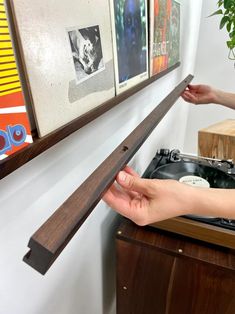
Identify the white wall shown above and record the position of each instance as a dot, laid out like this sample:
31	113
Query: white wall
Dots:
213	68
82	280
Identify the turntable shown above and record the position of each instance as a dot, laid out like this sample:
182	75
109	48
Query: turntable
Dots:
202	172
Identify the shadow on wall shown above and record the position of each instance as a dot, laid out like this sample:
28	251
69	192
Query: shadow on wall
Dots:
109	228
191	13
87	274
66	161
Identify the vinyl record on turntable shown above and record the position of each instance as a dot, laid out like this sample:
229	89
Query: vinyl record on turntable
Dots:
195	174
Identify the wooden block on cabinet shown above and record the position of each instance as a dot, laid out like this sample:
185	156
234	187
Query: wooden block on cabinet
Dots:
218	140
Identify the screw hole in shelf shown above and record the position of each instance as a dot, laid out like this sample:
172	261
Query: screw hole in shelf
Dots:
125	148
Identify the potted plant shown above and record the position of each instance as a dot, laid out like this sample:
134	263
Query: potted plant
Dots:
226	8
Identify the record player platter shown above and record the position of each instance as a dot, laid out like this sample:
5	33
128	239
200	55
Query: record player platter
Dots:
194	174
196	171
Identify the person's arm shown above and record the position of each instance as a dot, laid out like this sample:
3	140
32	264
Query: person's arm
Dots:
145	201
204	94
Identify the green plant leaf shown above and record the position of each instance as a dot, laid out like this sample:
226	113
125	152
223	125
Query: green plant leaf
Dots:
229	25
227	9
228	3
224	20
232	34
216	12
229	44
233	41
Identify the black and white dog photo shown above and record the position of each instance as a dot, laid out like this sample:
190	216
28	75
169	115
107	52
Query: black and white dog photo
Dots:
87	51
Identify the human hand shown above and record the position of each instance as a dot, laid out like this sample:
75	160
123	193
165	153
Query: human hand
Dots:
145	201
200	94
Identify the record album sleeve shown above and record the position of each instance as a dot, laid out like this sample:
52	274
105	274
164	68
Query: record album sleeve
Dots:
130	42
174	49
164	35
67	51
15	132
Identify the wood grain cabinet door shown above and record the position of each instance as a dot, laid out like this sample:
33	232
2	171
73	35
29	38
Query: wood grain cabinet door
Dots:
153	282
200	288
143	277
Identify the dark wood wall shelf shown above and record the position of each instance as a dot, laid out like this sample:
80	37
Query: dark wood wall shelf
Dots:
50	239
40	145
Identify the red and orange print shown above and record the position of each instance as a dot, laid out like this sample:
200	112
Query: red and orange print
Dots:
160	52
15	131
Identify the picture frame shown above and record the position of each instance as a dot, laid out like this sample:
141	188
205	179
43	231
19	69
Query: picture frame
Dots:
42	144
53	58
130	42
15	131
164	35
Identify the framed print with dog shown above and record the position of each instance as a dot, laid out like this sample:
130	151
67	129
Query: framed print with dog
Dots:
66	49
87	51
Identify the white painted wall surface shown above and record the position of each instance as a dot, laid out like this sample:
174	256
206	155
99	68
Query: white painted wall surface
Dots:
82	280
212	68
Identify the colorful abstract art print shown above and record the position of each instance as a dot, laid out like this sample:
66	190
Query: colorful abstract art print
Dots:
130	42
15	132
160	35
174	51
87	51
68	57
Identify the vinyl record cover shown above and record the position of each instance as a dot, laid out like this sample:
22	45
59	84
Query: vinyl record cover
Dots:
130	42
164	35
15	131
160	35
174	51
68	57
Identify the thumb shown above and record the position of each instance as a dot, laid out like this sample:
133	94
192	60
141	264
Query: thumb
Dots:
136	184
193	87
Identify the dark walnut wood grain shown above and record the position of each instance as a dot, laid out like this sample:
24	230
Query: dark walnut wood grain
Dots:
159	272
40	145
47	243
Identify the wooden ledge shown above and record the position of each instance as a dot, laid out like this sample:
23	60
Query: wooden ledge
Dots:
40	145
47	243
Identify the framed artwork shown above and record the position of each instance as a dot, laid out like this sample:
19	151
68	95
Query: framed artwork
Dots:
15	131
66	49
164	34
130	42
87	52
174	53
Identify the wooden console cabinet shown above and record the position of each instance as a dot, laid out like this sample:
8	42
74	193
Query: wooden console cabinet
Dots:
165	273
